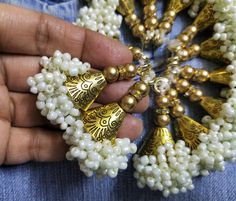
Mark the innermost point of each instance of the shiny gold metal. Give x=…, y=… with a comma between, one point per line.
x=162, y=120
x=128, y=103
x=159, y=137
x=84, y=89
x=182, y=85
x=201, y=75
x=111, y=73
x=195, y=94
x=162, y=101
x=126, y=7
x=177, y=110
x=212, y=106
x=210, y=49
x=220, y=76
x=178, y=5
x=139, y=90
x=103, y=122
x=187, y=72
x=189, y=130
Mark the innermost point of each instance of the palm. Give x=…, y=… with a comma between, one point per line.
x=24, y=134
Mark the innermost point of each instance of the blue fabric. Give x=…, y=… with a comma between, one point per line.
x=64, y=182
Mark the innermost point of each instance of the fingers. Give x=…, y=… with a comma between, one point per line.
x=41, y=34
x=37, y=144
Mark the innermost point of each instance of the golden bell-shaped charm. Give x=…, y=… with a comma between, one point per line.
x=178, y=5
x=189, y=130
x=220, y=76
x=103, y=122
x=158, y=138
x=126, y=7
x=84, y=89
x=210, y=49
x=211, y=105
x=205, y=18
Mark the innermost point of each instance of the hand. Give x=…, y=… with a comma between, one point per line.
x=24, y=37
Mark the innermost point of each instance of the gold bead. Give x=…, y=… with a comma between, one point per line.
x=171, y=14
x=187, y=72
x=194, y=50
x=201, y=76
x=137, y=53
x=128, y=103
x=177, y=110
x=162, y=101
x=111, y=74
x=192, y=29
x=166, y=26
x=130, y=71
x=182, y=85
x=183, y=38
x=151, y=23
x=172, y=94
x=142, y=87
x=183, y=54
x=196, y=95
x=138, y=30
x=132, y=19
x=150, y=10
x=162, y=120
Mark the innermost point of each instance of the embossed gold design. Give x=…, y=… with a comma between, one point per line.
x=125, y=7
x=205, y=18
x=159, y=137
x=85, y=88
x=210, y=49
x=189, y=130
x=220, y=76
x=103, y=122
x=212, y=106
x=178, y=5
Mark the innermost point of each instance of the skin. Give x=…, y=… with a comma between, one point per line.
x=25, y=36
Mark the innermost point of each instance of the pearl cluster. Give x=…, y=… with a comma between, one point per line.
x=103, y=158
x=171, y=171
x=101, y=17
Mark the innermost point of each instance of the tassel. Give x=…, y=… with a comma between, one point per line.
x=220, y=76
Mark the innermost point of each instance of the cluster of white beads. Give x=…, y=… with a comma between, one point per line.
x=171, y=171
x=101, y=17
x=103, y=158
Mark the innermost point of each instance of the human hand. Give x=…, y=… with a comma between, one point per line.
x=25, y=36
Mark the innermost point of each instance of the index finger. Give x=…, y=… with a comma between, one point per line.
x=29, y=32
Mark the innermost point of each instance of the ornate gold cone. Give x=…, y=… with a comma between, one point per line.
x=210, y=49
x=189, y=130
x=159, y=137
x=103, y=122
x=85, y=88
x=212, y=105
x=126, y=7
x=205, y=18
x=220, y=76
x=178, y=5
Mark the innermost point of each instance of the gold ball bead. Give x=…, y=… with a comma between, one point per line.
x=132, y=19
x=201, y=76
x=137, y=53
x=170, y=13
x=162, y=101
x=142, y=88
x=183, y=54
x=178, y=110
x=162, y=120
x=128, y=103
x=196, y=95
x=194, y=49
x=151, y=23
x=111, y=74
x=182, y=85
x=192, y=29
x=130, y=71
x=184, y=38
x=138, y=30
x=172, y=94
x=187, y=72
x=150, y=10
x=166, y=26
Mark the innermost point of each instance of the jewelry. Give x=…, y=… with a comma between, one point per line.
x=163, y=162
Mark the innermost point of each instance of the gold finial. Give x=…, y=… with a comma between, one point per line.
x=178, y=5
x=126, y=7
x=212, y=105
x=103, y=122
x=158, y=138
x=84, y=89
x=220, y=76
x=189, y=130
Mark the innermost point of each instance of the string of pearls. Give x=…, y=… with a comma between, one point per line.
x=217, y=146
x=101, y=17
x=102, y=158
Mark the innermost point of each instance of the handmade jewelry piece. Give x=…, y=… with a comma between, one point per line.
x=67, y=88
